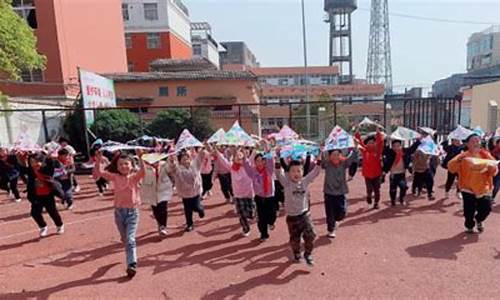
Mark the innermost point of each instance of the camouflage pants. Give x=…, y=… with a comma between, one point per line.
x=301, y=227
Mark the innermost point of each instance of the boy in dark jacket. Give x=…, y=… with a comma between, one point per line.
x=396, y=162
x=452, y=150
x=9, y=173
x=41, y=192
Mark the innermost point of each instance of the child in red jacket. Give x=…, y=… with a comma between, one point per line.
x=371, y=149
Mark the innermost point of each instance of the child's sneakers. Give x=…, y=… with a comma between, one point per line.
x=246, y=233
x=459, y=196
x=132, y=270
x=331, y=234
x=297, y=257
x=17, y=200
x=70, y=206
x=309, y=260
x=469, y=230
x=76, y=189
x=60, y=229
x=272, y=227
x=201, y=214
x=162, y=230
x=189, y=228
x=44, y=231
x=480, y=227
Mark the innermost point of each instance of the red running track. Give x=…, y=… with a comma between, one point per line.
x=417, y=251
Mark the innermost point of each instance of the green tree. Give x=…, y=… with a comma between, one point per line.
x=116, y=125
x=170, y=123
x=17, y=44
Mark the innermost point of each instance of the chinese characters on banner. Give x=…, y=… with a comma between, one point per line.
x=97, y=91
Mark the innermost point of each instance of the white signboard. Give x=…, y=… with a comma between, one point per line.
x=97, y=91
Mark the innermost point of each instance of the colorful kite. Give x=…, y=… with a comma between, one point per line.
x=217, y=136
x=187, y=140
x=427, y=146
x=236, y=136
x=460, y=133
x=339, y=139
x=404, y=134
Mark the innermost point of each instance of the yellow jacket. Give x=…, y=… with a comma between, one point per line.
x=475, y=179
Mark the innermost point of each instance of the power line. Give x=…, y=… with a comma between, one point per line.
x=431, y=19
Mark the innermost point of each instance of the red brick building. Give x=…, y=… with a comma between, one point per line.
x=69, y=40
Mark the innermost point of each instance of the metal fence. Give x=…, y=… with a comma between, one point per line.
x=260, y=119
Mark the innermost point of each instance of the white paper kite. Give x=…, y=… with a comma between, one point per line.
x=460, y=133
x=404, y=134
x=187, y=140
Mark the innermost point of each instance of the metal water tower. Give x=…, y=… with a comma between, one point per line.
x=339, y=16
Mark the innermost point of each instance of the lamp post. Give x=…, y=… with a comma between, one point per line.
x=308, y=107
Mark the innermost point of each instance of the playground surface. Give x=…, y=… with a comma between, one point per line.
x=414, y=251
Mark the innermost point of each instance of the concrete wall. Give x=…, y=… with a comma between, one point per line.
x=170, y=47
x=481, y=97
x=170, y=18
x=243, y=90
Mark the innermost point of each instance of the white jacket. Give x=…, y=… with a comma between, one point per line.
x=155, y=191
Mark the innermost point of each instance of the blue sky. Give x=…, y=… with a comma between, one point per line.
x=422, y=51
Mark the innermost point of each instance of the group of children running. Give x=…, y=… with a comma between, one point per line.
x=255, y=180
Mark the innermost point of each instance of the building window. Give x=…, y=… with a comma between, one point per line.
x=163, y=91
x=181, y=91
x=26, y=10
x=153, y=40
x=125, y=12
x=196, y=49
x=151, y=11
x=130, y=67
x=35, y=75
x=283, y=81
x=223, y=108
x=128, y=40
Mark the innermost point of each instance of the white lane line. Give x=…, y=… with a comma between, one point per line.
x=65, y=224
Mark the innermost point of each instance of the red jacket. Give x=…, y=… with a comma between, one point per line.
x=372, y=159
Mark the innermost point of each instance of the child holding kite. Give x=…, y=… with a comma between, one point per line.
x=187, y=176
x=126, y=182
x=297, y=207
x=371, y=150
x=242, y=187
x=156, y=190
x=261, y=174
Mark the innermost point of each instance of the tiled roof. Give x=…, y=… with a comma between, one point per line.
x=179, y=65
x=362, y=109
x=189, y=75
x=295, y=71
x=334, y=90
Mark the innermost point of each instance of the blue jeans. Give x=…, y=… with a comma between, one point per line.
x=127, y=220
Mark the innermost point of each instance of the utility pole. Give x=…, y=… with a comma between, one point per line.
x=308, y=106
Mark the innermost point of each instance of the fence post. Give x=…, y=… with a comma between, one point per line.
x=239, y=114
x=460, y=111
x=290, y=115
x=385, y=113
x=335, y=112
x=45, y=129
x=141, y=121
